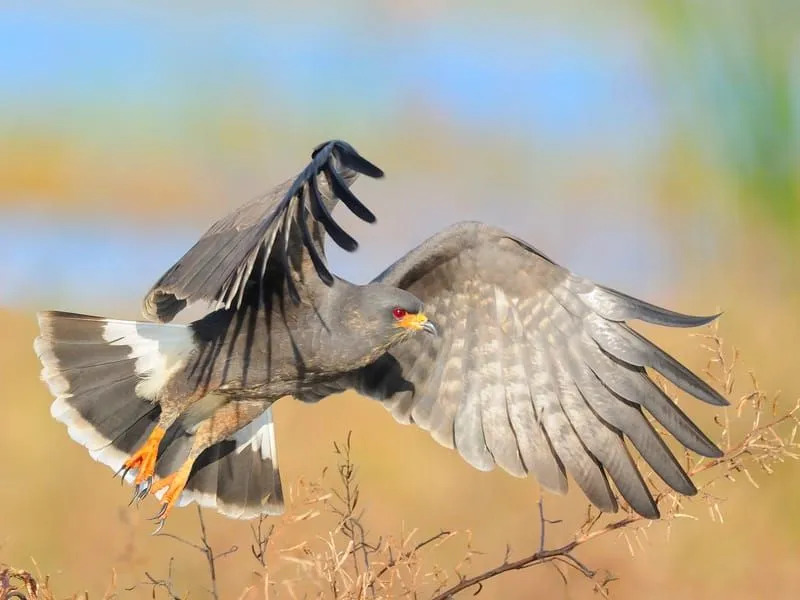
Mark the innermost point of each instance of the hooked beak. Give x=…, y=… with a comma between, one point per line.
x=417, y=322
x=429, y=327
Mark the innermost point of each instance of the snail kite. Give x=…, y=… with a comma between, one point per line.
x=474, y=335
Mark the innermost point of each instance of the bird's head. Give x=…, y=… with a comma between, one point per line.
x=387, y=315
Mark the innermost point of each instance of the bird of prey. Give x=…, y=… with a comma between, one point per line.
x=475, y=336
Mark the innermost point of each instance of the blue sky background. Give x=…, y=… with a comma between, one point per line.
x=560, y=99
x=494, y=73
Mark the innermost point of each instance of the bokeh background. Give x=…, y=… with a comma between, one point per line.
x=652, y=146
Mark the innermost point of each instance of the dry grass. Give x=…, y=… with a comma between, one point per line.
x=341, y=559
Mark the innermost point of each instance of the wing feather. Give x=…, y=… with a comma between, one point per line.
x=616, y=413
x=501, y=440
x=622, y=342
x=536, y=369
x=468, y=426
x=616, y=306
x=553, y=393
x=535, y=449
x=219, y=267
x=601, y=440
x=627, y=418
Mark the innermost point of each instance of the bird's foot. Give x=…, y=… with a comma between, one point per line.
x=173, y=485
x=144, y=461
x=140, y=490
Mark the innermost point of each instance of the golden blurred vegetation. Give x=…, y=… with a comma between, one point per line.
x=386, y=510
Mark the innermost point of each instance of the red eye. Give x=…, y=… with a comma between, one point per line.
x=399, y=313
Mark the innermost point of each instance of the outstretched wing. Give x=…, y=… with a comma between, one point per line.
x=258, y=235
x=535, y=369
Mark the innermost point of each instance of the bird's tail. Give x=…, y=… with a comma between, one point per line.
x=106, y=374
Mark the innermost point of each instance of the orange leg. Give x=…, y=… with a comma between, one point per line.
x=144, y=459
x=174, y=484
x=225, y=421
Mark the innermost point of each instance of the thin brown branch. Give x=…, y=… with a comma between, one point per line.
x=523, y=563
x=562, y=554
x=261, y=540
x=205, y=548
x=154, y=583
x=404, y=556
x=742, y=447
x=209, y=553
x=184, y=541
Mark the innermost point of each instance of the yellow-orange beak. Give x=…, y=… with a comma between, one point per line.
x=416, y=322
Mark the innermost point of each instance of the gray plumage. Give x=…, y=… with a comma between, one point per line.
x=267, y=232
x=534, y=369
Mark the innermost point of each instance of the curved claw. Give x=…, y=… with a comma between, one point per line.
x=172, y=486
x=124, y=470
x=159, y=516
x=141, y=490
x=159, y=527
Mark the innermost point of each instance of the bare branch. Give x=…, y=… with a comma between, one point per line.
x=442, y=535
x=209, y=552
x=154, y=583
x=261, y=540
x=205, y=547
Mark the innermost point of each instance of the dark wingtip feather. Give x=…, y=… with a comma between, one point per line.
x=675, y=319
x=654, y=357
x=688, y=381
x=319, y=263
x=686, y=487
x=348, y=156
x=711, y=451
x=363, y=166
x=344, y=194
x=323, y=215
x=634, y=308
x=706, y=320
x=715, y=398
x=647, y=510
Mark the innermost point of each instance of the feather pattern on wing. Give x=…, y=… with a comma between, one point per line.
x=536, y=370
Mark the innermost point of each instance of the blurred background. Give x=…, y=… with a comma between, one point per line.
x=651, y=146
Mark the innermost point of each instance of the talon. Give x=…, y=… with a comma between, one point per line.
x=124, y=471
x=174, y=484
x=144, y=459
x=159, y=527
x=141, y=490
x=159, y=516
x=144, y=487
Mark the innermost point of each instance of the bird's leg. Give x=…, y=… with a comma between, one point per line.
x=144, y=459
x=225, y=421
